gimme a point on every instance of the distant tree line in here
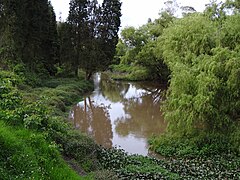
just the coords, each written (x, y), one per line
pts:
(32, 40)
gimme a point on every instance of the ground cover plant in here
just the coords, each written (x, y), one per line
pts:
(139, 167)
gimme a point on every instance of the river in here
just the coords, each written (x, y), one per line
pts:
(121, 114)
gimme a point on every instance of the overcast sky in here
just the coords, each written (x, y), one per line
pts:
(134, 12)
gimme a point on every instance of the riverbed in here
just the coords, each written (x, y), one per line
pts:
(121, 114)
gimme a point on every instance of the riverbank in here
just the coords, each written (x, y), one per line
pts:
(129, 73)
(35, 136)
(125, 72)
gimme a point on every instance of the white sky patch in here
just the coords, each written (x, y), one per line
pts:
(134, 12)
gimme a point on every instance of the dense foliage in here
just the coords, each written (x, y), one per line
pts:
(28, 35)
(33, 49)
(32, 39)
(202, 106)
(136, 55)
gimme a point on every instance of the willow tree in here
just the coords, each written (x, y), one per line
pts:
(203, 97)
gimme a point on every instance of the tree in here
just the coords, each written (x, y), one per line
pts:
(186, 39)
(77, 20)
(133, 39)
(93, 52)
(230, 34)
(66, 48)
(108, 30)
(30, 28)
(171, 7)
(7, 45)
(94, 31)
(186, 10)
(138, 45)
(157, 69)
(50, 43)
(203, 94)
(233, 5)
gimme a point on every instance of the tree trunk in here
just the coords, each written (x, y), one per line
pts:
(88, 75)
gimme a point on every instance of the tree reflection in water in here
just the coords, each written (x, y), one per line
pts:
(122, 114)
(113, 90)
(145, 118)
(93, 120)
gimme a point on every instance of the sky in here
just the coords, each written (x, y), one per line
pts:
(134, 12)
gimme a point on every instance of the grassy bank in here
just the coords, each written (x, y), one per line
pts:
(26, 154)
(34, 133)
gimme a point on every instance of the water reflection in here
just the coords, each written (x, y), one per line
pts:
(121, 114)
(112, 90)
(93, 120)
(144, 120)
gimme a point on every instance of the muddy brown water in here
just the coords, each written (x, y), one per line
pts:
(121, 114)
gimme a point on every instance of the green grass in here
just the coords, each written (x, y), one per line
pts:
(25, 154)
(56, 96)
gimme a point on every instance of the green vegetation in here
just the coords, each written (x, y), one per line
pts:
(26, 154)
(34, 131)
(135, 57)
(139, 167)
(132, 73)
(202, 106)
(41, 65)
(34, 52)
(31, 37)
(201, 51)
(90, 35)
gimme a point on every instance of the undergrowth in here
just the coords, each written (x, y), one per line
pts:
(203, 144)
